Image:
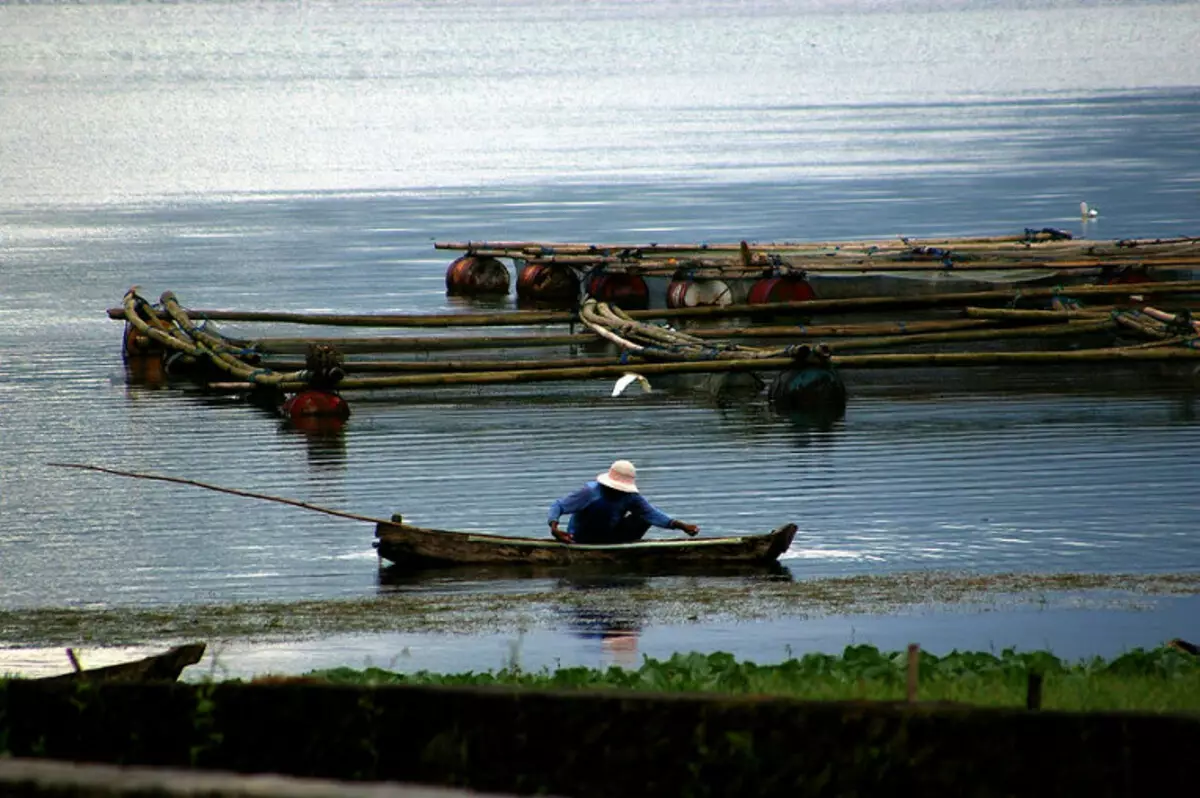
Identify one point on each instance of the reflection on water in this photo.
(324, 438)
(615, 618)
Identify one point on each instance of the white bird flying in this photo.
(629, 379)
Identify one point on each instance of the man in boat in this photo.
(609, 509)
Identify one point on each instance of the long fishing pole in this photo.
(234, 491)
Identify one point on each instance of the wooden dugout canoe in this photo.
(416, 547)
(157, 667)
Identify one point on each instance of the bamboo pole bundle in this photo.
(1143, 325)
(858, 264)
(1172, 318)
(1002, 244)
(165, 335)
(216, 350)
(872, 361)
(928, 301)
(532, 318)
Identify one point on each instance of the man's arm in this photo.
(656, 517)
(570, 503)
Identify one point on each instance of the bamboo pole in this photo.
(1008, 314)
(520, 317)
(895, 241)
(363, 345)
(819, 264)
(1048, 330)
(1051, 358)
(1017, 243)
(529, 318)
(455, 366)
(799, 332)
(927, 301)
(206, 486)
(872, 361)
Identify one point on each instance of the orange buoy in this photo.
(623, 290)
(685, 293)
(547, 282)
(316, 404)
(473, 275)
(780, 289)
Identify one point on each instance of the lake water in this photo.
(305, 156)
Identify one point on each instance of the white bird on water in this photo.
(1086, 212)
(629, 379)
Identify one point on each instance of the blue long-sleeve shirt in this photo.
(591, 509)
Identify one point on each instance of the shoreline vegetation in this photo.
(1165, 679)
(673, 601)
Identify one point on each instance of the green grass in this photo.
(1158, 680)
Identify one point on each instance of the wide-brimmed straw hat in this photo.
(621, 475)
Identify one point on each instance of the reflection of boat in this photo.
(410, 546)
(159, 667)
(442, 576)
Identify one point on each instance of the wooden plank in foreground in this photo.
(31, 778)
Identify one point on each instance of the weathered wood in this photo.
(411, 546)
(166, 667)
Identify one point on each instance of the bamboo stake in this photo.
(914, 672)
(206, 486)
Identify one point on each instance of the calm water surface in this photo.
(306, 156)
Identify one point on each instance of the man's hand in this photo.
(560, 535)
(690, 529)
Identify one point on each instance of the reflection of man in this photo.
(609, 509)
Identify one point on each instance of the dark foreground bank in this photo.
(593, 743)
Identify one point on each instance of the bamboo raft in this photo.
(239, 364)
(1036, 317)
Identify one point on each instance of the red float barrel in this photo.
(695, 293)
(623, 290)
(471, 275)
(316, 404)
(547, 282)
(780, 289)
